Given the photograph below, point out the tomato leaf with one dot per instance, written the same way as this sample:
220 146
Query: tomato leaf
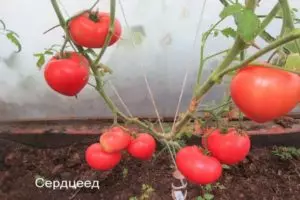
231 10
48 52
41 60
248 25
208 196
293 62
13 38
229 32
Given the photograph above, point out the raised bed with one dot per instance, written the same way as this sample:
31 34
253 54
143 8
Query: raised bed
55 149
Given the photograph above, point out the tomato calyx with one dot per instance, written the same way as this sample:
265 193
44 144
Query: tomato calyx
64 55
224 130
94 16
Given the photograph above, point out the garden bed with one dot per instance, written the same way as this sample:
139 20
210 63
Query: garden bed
261 176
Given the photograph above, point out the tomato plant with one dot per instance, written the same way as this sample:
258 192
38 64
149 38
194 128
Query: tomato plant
197 167
142 147
263 93
67 75
98 159
115 140
230 147
90 29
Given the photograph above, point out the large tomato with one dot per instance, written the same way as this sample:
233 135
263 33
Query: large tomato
67 75
264 94
90 30
197 167
229 148
142 147
115 140
99 159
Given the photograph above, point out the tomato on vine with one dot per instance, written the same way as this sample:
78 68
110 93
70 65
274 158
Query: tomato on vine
115 139
197 167
98 159
229 147
90 29
67 75
142 147
264 93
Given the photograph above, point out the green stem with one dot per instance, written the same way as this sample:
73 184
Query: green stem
269 17
110 31
63 47
202 61
288 22
281 41
215 54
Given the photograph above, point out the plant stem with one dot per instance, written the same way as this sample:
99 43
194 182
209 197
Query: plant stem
215 54
269 17
111 29
281 41
99 82
288 22
202 61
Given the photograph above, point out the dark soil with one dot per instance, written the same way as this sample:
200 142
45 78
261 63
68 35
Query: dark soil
262 176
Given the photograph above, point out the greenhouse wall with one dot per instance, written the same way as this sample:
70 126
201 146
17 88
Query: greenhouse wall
164 49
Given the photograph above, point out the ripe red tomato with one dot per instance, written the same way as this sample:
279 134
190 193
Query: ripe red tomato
91 33
197 167
264 94
115 140
229 148
67 76
99 159
142 147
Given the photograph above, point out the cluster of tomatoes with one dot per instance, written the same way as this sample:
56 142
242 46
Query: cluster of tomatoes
225 146
107 153
68 74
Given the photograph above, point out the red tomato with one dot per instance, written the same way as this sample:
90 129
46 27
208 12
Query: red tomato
90 33
229 148
142 147
115 140
67 76
197 167
264 94
99 159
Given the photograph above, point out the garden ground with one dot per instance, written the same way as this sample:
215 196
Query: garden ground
262 176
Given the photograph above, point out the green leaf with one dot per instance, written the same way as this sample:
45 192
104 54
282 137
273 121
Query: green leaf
229 32
48 52
208 187
13 38
200 198
208 196
231 10
293 62
41 60
3 24
248 25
